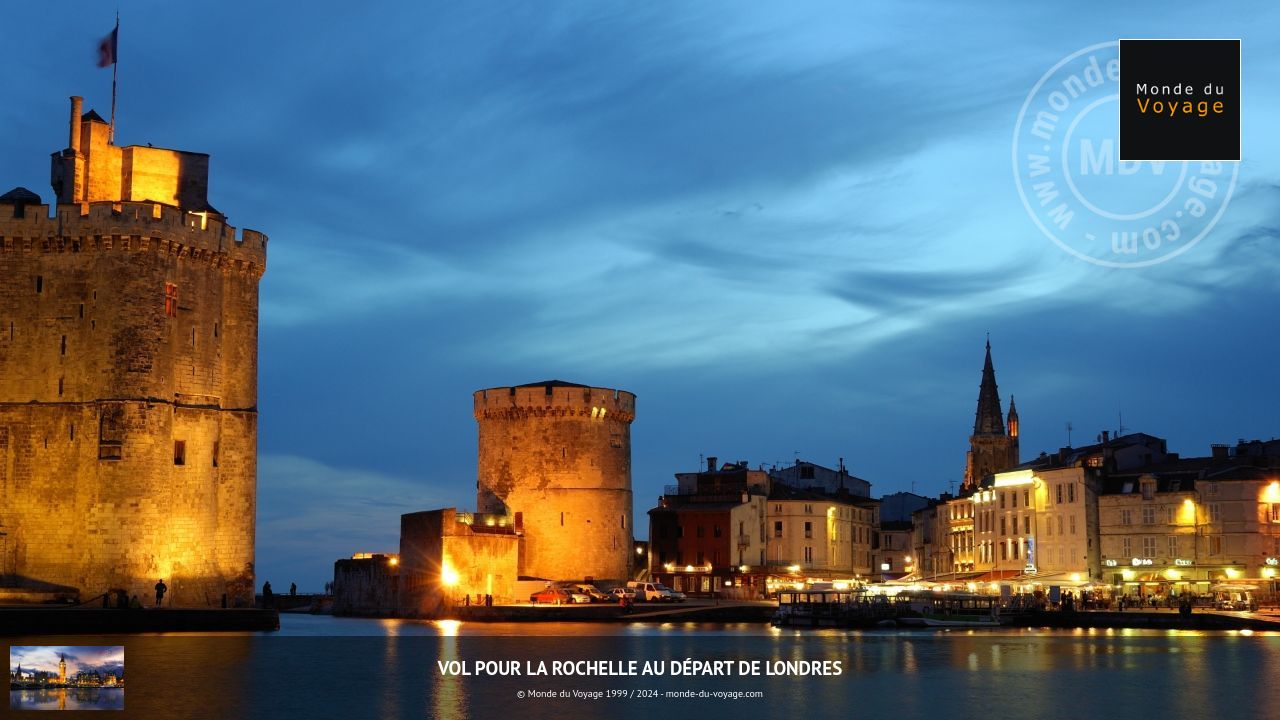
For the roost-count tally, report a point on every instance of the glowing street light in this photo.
(449, 576)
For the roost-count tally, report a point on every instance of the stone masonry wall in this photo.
(560, 456)
(128, 422)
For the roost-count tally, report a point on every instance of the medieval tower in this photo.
(128, 377)
(991, 448)
(558, 455)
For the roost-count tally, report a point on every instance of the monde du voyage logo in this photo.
(1131, 164)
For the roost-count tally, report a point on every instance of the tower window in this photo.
(62, 348)
(60, 386)
(216, 445)
(179, 452)
(39, 283)
(170, 300)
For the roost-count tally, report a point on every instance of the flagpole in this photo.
(115, 70)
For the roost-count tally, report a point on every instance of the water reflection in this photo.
(67, 699)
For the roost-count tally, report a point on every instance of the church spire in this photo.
(989, 419)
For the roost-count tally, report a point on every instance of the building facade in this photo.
(816, 534)
(707, 534)
(448, 558)
(128, 378)
(1188, 525)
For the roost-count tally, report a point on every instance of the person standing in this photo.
(268, 598)
(161, 589)
(293, 589)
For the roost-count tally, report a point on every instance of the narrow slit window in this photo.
(39, 283)
(216, 445)
(179, 452)
(170, 300)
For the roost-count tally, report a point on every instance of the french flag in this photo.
(107, 48)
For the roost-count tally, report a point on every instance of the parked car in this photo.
(577, 596)
(551, 596)
(592, 592)
(676, 595)
(620, 593)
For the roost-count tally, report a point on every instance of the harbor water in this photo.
(322, 667)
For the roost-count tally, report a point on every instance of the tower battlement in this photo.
(136, 226)
(555, 399)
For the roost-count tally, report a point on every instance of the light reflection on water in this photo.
(352, 668)
(67, 699)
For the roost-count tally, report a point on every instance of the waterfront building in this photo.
(826, 535)
(447, 556)
(128, 379)
(708, 533)
(960, 514)
(931, 541)
(1190, 524)
(892, 557)
(366, 584)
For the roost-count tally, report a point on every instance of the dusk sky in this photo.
(80, 658)
(787, 229)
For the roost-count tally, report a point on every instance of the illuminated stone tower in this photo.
(559, 455)
(62, 669)
(991, 449)
(128, 377)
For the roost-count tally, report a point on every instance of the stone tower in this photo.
(991, 449)
(128, 378)
(559, 455)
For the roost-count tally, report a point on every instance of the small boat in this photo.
(950, 609)
(860, 609)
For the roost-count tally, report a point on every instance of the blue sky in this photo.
(786, 229)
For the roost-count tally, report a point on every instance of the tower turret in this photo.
(558, 455)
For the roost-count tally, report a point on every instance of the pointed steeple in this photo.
(1013, 418)
(988, 420)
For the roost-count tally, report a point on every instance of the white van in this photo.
(650, 592)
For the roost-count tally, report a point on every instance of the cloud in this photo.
(310, 514)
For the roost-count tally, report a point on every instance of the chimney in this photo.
(711, 463)
(76, 105)
(1106, 435)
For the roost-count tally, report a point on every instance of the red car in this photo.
(551, 596)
